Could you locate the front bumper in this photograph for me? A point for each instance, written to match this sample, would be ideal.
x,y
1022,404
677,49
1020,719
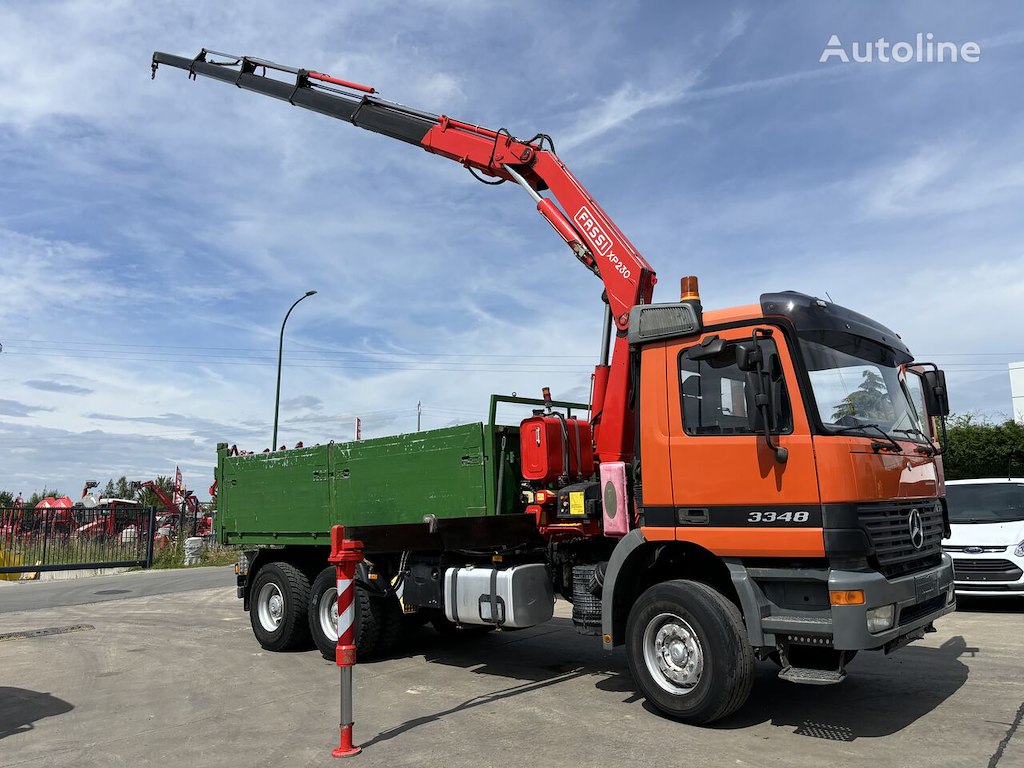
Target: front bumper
x,y
919,599
988,574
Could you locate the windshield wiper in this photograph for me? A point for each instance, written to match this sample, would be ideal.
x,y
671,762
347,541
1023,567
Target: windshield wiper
x,y
930,450
875,445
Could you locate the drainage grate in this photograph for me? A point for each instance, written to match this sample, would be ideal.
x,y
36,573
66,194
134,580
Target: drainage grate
x,y
828,731
112,592
46,632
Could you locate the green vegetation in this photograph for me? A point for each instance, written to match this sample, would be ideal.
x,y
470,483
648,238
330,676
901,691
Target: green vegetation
x,y
980,448
122,488
173,556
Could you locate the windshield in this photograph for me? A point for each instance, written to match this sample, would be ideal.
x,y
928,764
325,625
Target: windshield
x,y
985,502
856,382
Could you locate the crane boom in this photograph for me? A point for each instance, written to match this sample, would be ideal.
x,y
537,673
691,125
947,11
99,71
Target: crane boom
x,y
577,218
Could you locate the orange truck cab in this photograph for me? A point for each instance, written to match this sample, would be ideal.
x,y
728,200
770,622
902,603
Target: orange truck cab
x,y
785,451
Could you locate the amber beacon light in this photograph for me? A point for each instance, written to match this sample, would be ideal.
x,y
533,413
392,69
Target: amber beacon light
x,y
688,290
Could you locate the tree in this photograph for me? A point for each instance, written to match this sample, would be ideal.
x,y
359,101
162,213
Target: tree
x,y
979,448
7,499
122,489
149,499
868,401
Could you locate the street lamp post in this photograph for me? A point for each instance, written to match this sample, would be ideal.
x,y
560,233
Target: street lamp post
x,y
280,352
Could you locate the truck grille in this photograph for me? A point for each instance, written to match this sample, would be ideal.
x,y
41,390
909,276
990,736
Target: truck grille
x,y
888,528
985,570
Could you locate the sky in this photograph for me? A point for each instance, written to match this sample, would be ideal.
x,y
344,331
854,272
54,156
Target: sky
x,y
153,234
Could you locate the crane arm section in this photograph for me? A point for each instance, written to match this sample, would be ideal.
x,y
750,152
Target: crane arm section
x,y
161,494
577,218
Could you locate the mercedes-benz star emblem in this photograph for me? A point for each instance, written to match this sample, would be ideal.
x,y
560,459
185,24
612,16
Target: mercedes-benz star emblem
x,y
916,528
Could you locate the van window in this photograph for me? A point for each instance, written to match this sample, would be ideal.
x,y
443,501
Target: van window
x,y
985,502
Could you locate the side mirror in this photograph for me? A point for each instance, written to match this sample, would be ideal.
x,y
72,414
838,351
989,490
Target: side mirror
x,y
709,347
935,393
748,357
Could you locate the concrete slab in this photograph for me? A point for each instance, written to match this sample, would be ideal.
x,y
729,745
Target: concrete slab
x,y
179,679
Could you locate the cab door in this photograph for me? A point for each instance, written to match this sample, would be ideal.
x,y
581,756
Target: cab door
x,y
730,491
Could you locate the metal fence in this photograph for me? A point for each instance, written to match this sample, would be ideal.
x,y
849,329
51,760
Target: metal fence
x,y
70,538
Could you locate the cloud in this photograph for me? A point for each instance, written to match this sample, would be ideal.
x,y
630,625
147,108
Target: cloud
x,y
943,178
56,386
305,402
614,111
14,408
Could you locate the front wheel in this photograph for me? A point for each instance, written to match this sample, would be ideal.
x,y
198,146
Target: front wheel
x,y
688,652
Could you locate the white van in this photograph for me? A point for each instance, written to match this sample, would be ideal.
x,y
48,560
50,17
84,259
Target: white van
x,y
987,545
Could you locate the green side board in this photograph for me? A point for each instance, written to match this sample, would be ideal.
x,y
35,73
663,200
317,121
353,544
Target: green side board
x,y
295,496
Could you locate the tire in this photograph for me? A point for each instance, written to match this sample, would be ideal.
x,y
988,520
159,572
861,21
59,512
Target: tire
x,y
278,608
323,616
392,622
413,621
688,652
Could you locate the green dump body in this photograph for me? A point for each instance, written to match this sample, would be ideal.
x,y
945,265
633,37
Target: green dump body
x,y
296,496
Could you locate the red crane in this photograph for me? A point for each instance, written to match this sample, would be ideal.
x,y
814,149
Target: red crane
x,y
203,522
532,164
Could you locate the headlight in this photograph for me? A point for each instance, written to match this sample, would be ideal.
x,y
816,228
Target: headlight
x,y
1019,551
880,619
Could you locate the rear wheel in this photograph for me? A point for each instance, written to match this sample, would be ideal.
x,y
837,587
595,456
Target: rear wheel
x,y
687,649
392,622
323,616
280,598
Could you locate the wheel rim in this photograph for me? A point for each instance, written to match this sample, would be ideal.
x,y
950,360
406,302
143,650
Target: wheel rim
x,y
270,607
673,654
327,610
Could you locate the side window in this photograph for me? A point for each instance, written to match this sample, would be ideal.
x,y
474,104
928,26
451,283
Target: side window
x,y
717,399
916,392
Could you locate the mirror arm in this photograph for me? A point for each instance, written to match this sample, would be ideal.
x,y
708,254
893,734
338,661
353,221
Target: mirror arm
x,y
781,454
944,442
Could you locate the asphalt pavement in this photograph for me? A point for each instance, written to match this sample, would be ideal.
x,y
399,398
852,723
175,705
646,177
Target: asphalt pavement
x,y
29,595
175,677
